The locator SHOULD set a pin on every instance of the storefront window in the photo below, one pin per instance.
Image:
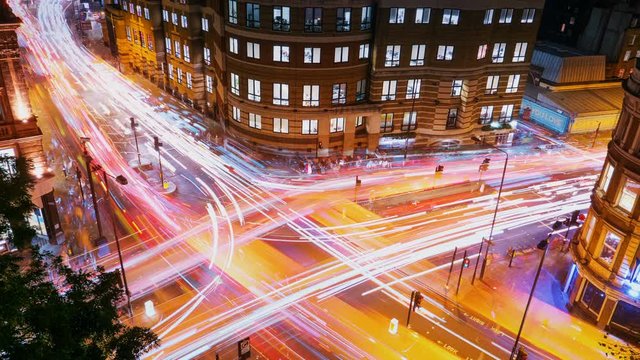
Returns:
(627, 316)
(605, 179)
(609, 247)
(593, 298)
(629, 195)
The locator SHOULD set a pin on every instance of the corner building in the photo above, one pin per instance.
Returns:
(339, 76)
(606, 251)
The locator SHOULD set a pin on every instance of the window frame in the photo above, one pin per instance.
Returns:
(393, 60)
(282, 126)
(456, 87)
(451, 17)
(313, 24)
(280, 94)
(308, 98)
(251, 21)
(345, 26)
(498, 53)
(452, 119)
(255, 121)
(416, 51)
(488, 17)
(409, 121)
(253, 50)
(284, 24)
(341, 55)
(423, 15)
(513, 84)
(443, 54)
(339, 94)
(281, 53)
(396, 15)
(254, 92)
(311, 126)
(506, 16)
(336, 125)
(234, 81)
(361, 90)
(313, 55)
(232, 17)
(413, 84)
(366, 17)
(520, 52)
(389, 90)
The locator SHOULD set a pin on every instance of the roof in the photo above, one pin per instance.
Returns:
(6, 15)
(563, 64)
(589, 101)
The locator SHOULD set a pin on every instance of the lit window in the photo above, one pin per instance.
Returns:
(341, 54)
(281, 125)
(417, 55)
(505, 16)
(590, 227)
(235, 113)
(629, 195)
(253, 15)
(313, 19)
(361, 90)
(184, 21)
(452, 118)
(410, 121)
(336, 125)
(527, 16)
(233, 11)
(170, 70)
(339, 94)
(359, 121)
(498, 52)
(131, 8)
(253, 50)
(450, 16)
(128, 31)
(520, 52)
(482, 51)
(627, 55)
(280, 94)
(179, 76)
(209, 83)
(174, 18)
(488, 17)
(207, 55)
(486, 115)
(281, 53)
(413, 89)
(365, 18)
(311, 95)
(176, 48)
(423, 15)
(392, 56)
(364, 51)
(165, 15)
(609, 247)
(281, 18)
(187, 54)
(205, 24)
(343, 19)
(189, 81)
(311, 55)
(309, 127)
(235, 84)
(255, 121)
(389, 90)
(445, 52)
(253, 90)
(386, 122)
(506, 114)
(456, 88)
(605, 180)
(396, 16)
(633, 40)
(233, 45)
(150, 42)
(147, 15)
(513, 83)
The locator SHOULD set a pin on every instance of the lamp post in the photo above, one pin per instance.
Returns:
(414, 95)
(134, 125)
(87, 160)
(157, 145)
(542, 245)
(495, 213)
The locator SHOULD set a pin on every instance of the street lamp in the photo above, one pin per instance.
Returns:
(414, 95)
(495, 213)
(157, 145)
(87, 160)
(542, 245)
(134, 125)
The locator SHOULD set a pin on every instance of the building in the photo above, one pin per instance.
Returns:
(19, 132)
(605, 280)
(608, 28)
(342, 76)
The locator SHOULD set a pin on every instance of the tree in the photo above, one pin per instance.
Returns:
(16, 184)
(75, 318)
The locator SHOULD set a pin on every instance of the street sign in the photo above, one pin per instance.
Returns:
(393, 326)
(244, 349)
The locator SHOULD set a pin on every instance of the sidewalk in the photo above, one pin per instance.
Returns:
(503, 294)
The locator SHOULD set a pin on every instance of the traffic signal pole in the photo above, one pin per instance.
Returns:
(461, 268)
(453, 258)
(413, 295)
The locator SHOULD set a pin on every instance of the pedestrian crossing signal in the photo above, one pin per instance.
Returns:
(466, 262)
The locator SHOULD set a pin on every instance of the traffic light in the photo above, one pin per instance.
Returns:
(156, 143)
(483, 167)
(556, 225)
(358, 181)
(486, 161)
(574, 216)
(417, 300)
(439, 168)
(522, 354)
(466, 262)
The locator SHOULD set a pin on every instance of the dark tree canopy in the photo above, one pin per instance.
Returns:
(76, 318)
(15, 201)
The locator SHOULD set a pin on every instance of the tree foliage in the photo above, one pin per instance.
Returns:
(74, 318)
(16, 185)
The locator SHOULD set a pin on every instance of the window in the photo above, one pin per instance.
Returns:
(233, 11)
(255, 121)
(359, 121)
(339, 94)
(392, 57)
(205, 24)
(423, 15)
(486, 114)
(364, 51)
(253, 15)
(633, 40)
(179, 76)
(361, 90)
(253, 50)
(505, 16)
(311, 95)
(235, 84)
(512, 83)
(593, 298)
(341, 54)
(141, 35)
(309, 127)
(498, 52)
(520, 52)
(128, 31)
(409, 122)
(638, 53)
(139, 10)
(187, 54)
(629, 195)
(183, 21)
(456, 88)
(396, 16)
(254, 90)
(280, 94)
(281, 18)
(281, 53)
(165, 15)
(452, 118)
(207, 55)
(445, 52)
(386, 123)
(417, 55)
(336, 125)
(627, 55)
(365, 18)
(176, 48)
(527, 16)
(209, 83)
(233, 45)
(313, 19)
(488, 17)
(413, 89)
(605, 179)
(389, 90)
(170, 70)
(281, 125)
(311, 55)
(482, 51)
(189, 81)
(235, 113)
(609, 247)
(343, 19)
(450, 16)
(174, 18)
(147, 15)
(131, 8)
(150, 41)
(506, 113)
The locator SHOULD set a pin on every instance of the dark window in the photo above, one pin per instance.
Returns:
(253, 15)
(365, 19)
(452, 118)
(627, 316)
(361, 90)
(281, 18)
(593, 298)
(343, 19)
(313, 19)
